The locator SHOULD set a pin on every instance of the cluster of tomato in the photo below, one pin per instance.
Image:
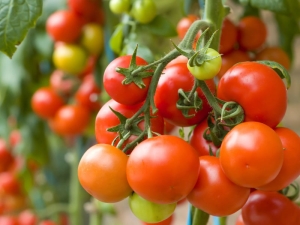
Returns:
(72, 95)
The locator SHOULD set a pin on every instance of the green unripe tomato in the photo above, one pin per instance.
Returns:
(92, 38)
(209, 69)
(143, 11)
(70, 58)
(148, 211)
(119, 6)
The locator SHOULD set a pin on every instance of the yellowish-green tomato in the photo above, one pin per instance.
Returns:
(119, 6)
(209, 69)
(143, 11)
(92, 38)
(70, 58)
(150, 212)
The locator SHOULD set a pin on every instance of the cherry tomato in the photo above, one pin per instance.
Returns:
(228, 36)
(174, 78)
(70, 58)
(27, 217)
(88, 94)
(164, 222)
(102, 173)
(150, 212)
(45, 102)
(252, 33)
(129, 94)
(119, 6)
(8, 220)
(255, 88)
(159, 179)
(276, 54)
(290, 169)
(64, 25)
(6, 157)
(85, 8)
(214, 193)
(179, 59)
(269, 208)
(62, 83)
(47, 222)
(184, 24)
(244, 151)
(92, 38)
(9, 183)
(143, 11)
(208, 69)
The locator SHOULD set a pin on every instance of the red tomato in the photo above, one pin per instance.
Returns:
(199, 142)
(163, 169)
(9, 183)
(8, 220)
(244, 151)
(129, 94)
(90, 66)
(64, 25)
(290, 169)
(6, 157)
(228, 36)
(255, 88)
(184, 24)
(276, 54)
(70, 120)
(179, 59)
(164, 222)
(47, 222)
(86, 8)
(62, 83)
(102, 173)
(269, 208)
(27, 217)
(252, 33)
(106, 119)
(88, 94)
(172, 79)
(45, 102)
(214, 193)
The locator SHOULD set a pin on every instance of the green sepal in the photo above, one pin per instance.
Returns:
(186, 102)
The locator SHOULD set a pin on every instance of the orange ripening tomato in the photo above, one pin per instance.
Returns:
(228, 36)
(214, 193)
(252, 33)
(251, 154)
(102, 173)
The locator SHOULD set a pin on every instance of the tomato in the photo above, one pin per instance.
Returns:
(70, 120)
(208, 69)
(184, 24)
(199, 142)
(15, 138)
(290, 169)
(64, 25)
(102, 173)
(85, 8)
(153, 176)
(167, 221)
(9, 183)
(88, 94)
(90, 66)
(179, 59)
(214, 193)
(150, 212)
(239, 220)
(27, 217)
(172, 79)
(62, 83)
(276, 54)
(45, 102)
(143, 11)
(119, 6)
(129, 94)
(92, 38)
(244, 151)
(231, 58)
(252, 33)
(228, 36)
(70, 58)
(47, 222)
(8, 220)
(14, 202)
(6, 157)
(106, 119)
(255, 86)
(269, 208)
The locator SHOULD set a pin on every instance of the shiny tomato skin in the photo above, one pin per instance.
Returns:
(64, 25)
(214, 193)
(163, 169)
(255, 86)
(179, 59)
(199, 142)
(102, 173)
(129, 94)
(172, 79)
(290, 169)
(244, 151)
(228, 36)
(45, 102)
(269, 208)
(6, 157)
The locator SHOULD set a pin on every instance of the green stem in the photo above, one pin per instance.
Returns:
(96, 218)
(223, 220)
(199, 217)
(52, 210)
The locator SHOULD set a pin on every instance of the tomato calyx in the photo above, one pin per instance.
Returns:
(187, 101)
(292, 191)
(130, 76)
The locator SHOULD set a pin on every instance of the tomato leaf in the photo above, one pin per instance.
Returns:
(16, 18)
(160, 26)
(280, 70)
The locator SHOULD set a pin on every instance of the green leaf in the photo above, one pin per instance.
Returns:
(277, 6)
(16, 18)
(116, 40)
(160, 26)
